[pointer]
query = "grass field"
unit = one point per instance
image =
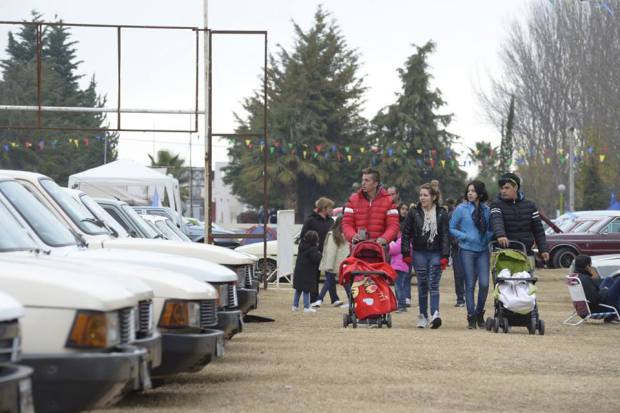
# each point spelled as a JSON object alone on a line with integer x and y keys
{"x": 310, "y": 363}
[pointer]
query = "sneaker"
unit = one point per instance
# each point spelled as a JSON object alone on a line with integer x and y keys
{"x": 471, "y": 322}
{"x": 337, "y": 303}
{"x": 317, "y": 303}
{"x": 435, "y": 320}
{"x": 611, "y": 320}
{"x": 309, "y": 310}
{"x": 422, "y": 321}
{"x": 459, "y": 304}
{"x": 294, "y": 308}
{"x": 480, "y": 319}
{"x": 407, "y": 302}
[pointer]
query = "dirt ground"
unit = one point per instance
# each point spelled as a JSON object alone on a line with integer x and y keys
{"x": 311, "y": 363}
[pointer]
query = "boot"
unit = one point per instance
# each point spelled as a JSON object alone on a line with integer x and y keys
{"x": 480, "y": 319}
{"x": 471, "y": 322}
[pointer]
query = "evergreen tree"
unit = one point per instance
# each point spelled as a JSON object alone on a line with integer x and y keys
{"x": 314, "y": 103}
{"x": 416, "y": 134}
{"x": 594, "y": 195}
{"x": 506, "y": 146}
{"x": 55, "y": 153}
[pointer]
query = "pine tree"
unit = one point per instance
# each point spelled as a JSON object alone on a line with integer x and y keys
{"x": 314, "y": 104}
{"x": 594, "y": 194}
{"x": 416, "y": 134}
{"x": 506, "y": 146}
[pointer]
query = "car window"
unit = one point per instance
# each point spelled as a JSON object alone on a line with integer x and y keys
{"x": 12, "y": 236}
{"x": 583, "y": 226}
{"x": 614, "y": 227}
{"x": 177, "y": 231}
{"x": 78, "y": 213}
{"x": 47, "y": 227}
{"x": 139, "y": 222}
{"x": 167, "y": 232}
{"x": 101, "y": 213}
{"x": 112, "y": 212}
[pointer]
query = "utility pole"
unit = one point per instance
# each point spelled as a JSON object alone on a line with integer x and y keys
{"x": 571, "y": 169}
{"x": 207, "y": 173}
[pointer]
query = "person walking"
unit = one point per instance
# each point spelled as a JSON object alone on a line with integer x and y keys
{"x": 425, "y": 242}
{"x": 335, "y": 251}
{"x": 470, "y": 226}
{"x": 517, "y": 219}
{"x": 403, "y": 210}
{"x": 306, "y": 267}
{"x": 457, "y": 267}
{"x": 403, "y": 272}
{"x": 370, "y": 212}
{"x": 320, "y": 220}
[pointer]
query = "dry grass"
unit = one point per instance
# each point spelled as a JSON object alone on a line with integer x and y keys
{"x": 310, "y": 363}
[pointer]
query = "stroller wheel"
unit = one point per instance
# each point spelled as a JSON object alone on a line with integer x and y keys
{"x": 345, "y": 320}
{"x": 380, "y": 322}
{"x": 506, "y": 326}
{"x": 532, "y": 326}
{"x": 495, "y": 326}
{"x": 541, "y": 327}
{"x": 488, "y": 324}
{"x": 354, "y": 321}
{"x": 389, "y": 321}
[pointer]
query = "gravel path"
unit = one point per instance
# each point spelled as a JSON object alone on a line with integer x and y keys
{"x": 310, "y": 363}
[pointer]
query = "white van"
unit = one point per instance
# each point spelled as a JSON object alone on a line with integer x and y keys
{"x": 75, "y": 336}
{"x": 15, "y": 384}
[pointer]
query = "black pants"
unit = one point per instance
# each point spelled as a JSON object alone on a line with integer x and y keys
{"x": 314, "y": 294}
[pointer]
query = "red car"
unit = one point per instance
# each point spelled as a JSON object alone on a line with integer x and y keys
{"x": 591, "y": 235}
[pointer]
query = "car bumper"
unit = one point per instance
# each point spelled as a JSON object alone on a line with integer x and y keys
{"x": 15, "y": 389}
{"x": 189, "y": 352}
{"x": 153, "y": 347}
{"x": 248, "y": 299}
{"x": 230, "y": 322}
{"x": 80, "y": 381}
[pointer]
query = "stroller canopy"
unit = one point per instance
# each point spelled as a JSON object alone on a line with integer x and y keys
{"x": 513, "y": 260}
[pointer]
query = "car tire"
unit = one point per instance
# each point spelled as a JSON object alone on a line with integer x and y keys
{"x": 271, "y": 270}
{"x": 563, "y": 258}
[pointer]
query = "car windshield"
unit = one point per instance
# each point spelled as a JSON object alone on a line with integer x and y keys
{"x": 49, "y": 228}
{"x": 177, "y": 231}
{"x": 101, "y": 213}
{"x": 139, "y": 222}
{"x": 78, "y": 213}
{"x": 12, "y": 236}
{"x": 583, "y": 226}
{"x": 163, "y": 228}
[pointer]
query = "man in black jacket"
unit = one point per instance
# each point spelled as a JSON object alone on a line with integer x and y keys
{"x": 515, "y": 218}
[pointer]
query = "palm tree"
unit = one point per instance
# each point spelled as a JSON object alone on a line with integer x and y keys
{"x": 174, "y": 166}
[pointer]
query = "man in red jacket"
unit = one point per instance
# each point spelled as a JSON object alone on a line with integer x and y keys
{"x": 372, "y": 210}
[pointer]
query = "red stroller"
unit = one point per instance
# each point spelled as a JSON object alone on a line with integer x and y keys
{"x": 368, "y": 276}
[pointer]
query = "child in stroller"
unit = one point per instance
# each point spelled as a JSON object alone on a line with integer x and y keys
{"x": 515, "y": 291}
{"x": 367, "y": 278}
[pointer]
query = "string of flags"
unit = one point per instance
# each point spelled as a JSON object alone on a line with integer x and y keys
{"x": 41, "y": 144}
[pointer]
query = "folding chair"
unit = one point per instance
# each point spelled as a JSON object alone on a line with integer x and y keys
{"x": 582, "y": 309}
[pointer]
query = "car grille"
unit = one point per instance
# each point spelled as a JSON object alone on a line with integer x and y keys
{"x": 208, "y": 313}
{"x": 232, "y": 295}
{"x": 244, "y": 274}
{"x": 9, "y": 342}
{"x": 127, "y": 318}
{"x": 145, "y": 318}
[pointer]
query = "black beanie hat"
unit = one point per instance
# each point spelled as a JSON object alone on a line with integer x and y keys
{"x": 509, "y": 177}
{"x": 582, "y": 261}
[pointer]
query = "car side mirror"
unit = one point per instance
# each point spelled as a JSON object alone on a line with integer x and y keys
{"x": 132, "y": 233}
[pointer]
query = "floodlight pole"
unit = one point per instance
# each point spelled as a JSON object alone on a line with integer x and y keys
{"x": 207, "y": 173}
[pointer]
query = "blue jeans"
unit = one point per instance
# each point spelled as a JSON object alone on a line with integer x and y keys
{"x": 306, "y": 298}
{"x": 476, "y": 268}
{"x": 459, "y": 276}
{"x": 408, "y": 283}
{"x": 427, "y": 266}
{"x": 329, "y": 285}
{"x": 613, "y": 292}
{"x": 401, "y": 288}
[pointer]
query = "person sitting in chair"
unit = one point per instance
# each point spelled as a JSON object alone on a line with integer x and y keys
{"x": 597, "y": 292}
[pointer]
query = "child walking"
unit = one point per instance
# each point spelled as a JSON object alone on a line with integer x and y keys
{"x": 336, "y": 249}
{"x": 306, "y": 268}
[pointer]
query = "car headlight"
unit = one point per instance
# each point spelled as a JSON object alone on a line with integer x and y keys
{"x": 94, "y": 329}
{"x": 222, "y": 295}
{"x": 180, "y": 314}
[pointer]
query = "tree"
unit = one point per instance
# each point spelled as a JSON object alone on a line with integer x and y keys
{"x": 57, "y": 153}
{"x": 506, "y": 147}
{"x": 594, "y": 193}
{"x": 175, "y": 166}
{"x": 486, "y": 158}
{"x": 416, "y": 134}
{"x": 314, "y": 103}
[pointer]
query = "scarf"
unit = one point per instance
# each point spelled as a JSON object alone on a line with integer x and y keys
{"x": 430, "y": 224}
{"x": 479, "y": 221}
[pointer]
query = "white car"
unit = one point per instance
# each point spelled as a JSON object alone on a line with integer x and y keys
{"x": 607, "y": 265}
{"x": 272, "y": 254}
{"x": 15, "y": 384}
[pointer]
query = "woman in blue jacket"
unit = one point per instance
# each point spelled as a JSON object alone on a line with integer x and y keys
{"x": 470, "y": 225}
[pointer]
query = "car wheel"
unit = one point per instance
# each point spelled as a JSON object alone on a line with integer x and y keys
{"x": 270, "y": 267}
{"x": 563, "y": 258}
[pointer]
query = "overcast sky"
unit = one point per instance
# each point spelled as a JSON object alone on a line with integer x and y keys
{"x": 158, "y": 67}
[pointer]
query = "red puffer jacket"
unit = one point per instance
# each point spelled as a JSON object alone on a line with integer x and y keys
{"x": 379, "y": 216}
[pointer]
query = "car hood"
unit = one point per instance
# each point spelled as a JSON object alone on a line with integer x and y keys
{"x": 212, "y": 253}
{"x": 606, "y": 265}
{"x": 40, "y": 286}
{"x": 256, "y": 249}
{"x": 200, "y": 270}
{"x": 10, "y": 309}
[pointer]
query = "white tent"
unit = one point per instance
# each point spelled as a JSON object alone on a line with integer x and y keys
{"x": 130, "y": 182}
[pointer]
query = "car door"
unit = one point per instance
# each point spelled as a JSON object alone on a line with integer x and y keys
{"x": 607, "y": 240}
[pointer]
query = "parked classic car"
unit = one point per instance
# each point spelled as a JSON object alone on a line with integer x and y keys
{"x": 594, "y": 235}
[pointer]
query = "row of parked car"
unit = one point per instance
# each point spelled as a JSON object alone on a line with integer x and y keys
{"x": 93, "y": 306}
